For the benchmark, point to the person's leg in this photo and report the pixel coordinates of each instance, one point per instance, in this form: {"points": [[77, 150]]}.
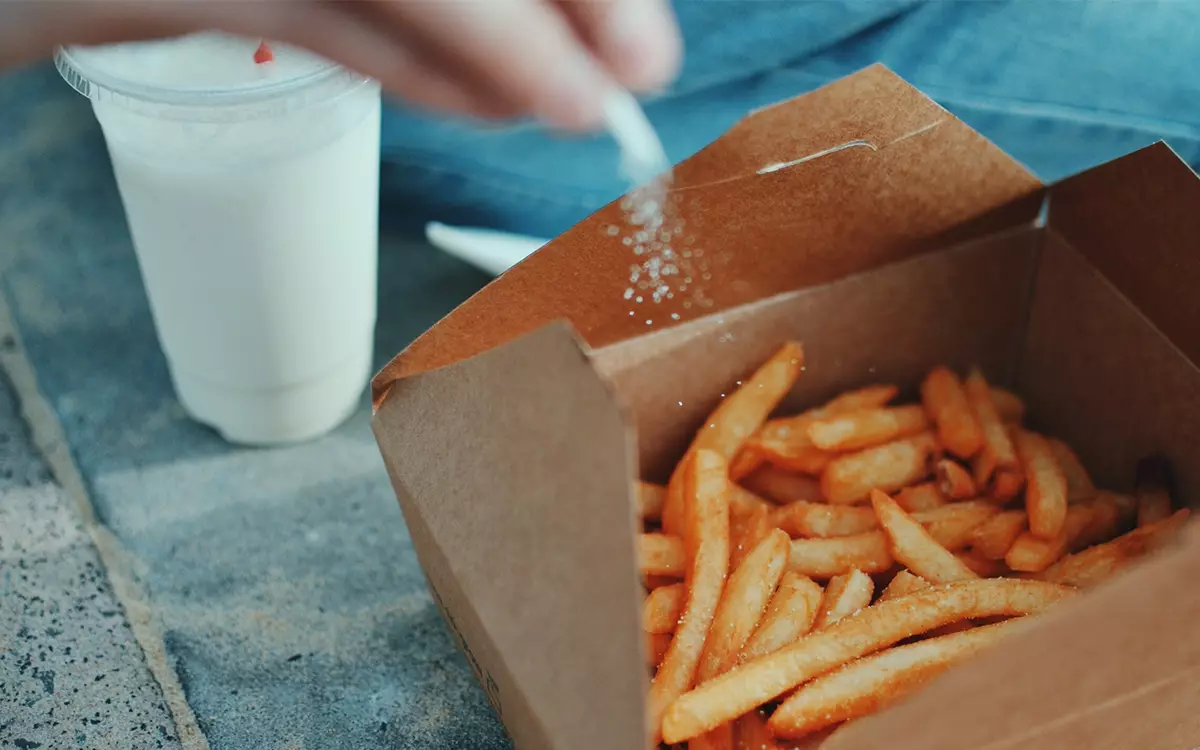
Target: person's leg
{"points": [[522, 179], [1060, 84]]}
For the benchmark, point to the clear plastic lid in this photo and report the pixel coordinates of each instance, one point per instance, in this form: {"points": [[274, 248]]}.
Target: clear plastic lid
{"points": [[210, 75]]}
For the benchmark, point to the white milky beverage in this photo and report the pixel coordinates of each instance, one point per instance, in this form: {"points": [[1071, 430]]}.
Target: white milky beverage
{"points": [[251, 192]]}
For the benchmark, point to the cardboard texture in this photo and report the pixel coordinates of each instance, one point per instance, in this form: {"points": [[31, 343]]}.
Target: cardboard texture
{"points": [[906, 240]]}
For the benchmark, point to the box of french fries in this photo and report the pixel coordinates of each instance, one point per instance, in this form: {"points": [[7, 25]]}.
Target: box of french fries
{"points": [[912, 472]]}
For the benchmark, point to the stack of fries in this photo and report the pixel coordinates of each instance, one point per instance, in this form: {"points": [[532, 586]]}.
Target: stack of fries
{"points": [[807, 570]]}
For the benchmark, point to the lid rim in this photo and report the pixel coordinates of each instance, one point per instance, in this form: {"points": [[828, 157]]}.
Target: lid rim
{"points": [[92, 84]]}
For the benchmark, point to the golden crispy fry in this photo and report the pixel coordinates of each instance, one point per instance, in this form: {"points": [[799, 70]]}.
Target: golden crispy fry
{"points": [[903, 583], [919, 497], [781, 486], [867, 397], [1045, 485], [946, 402], [856, 430], [982, 566], [1097, 564], [994, 537], [913, 546], [826, 558], [1079, 483], [878, 626], [845, 595], [720, 738], [656, 647], [785, 443], [801, 519], [1030, 553], [954, 481], [747, 532], [742, 605], [743, 502], [1110, 514], [650, 499], [850, 478], [1153, 490], [952, 526], [789, 615], [661, 555], [748, 459], [997, 456], [875, 682], [707, 541], [662, 608], [750, 733], [1009, 406], [737, 417]]}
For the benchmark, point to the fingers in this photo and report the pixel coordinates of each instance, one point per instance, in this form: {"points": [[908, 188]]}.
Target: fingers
{"points": [[524, 51], [637, 40]]}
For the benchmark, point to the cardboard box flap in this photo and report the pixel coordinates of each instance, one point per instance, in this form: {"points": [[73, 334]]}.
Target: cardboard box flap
{"points": [[862, 172], [1135, 219], [1116, 668], [515, 472]]}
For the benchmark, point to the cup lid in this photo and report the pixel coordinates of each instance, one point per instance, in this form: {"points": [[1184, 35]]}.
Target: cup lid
{"points": [[207, 68]]}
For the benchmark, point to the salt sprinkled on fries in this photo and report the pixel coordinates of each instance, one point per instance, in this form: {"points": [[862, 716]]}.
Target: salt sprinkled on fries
{"points": [[989, 521]]}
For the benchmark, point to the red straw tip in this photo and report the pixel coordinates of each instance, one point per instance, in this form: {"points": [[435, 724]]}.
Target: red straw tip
{"points": [[263, 54]]}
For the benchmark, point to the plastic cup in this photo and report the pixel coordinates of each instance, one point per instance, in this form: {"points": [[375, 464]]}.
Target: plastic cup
{"points": [[251, 192]]}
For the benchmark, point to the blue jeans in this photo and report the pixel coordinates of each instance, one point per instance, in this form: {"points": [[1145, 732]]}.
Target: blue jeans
{"points": [[1059, 84]]}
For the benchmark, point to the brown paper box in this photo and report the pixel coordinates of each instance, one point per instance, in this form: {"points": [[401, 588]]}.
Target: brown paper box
{"points": [[897, 239]]}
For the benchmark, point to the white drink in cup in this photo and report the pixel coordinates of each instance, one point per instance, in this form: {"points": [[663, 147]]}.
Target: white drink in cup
{"points": [[251, 191]]}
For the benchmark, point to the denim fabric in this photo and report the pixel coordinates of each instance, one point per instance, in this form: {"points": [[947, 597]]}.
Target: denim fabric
{"points": [[1060, 84]]}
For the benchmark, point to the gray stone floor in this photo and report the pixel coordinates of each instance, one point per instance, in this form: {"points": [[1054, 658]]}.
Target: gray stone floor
{"points": [[71, 672]]}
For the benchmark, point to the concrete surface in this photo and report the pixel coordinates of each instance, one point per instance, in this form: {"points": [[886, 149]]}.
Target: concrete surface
{"points": [[274, 593]]}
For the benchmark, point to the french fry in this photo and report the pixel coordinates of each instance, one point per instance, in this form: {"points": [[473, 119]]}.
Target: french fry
{"points": [[995, 537], [743, 502], [737, 417], [845, 595], [1110, 513], [912, 545], [826, 558], [1030, 553], [751, 733], [876, 627], [1045, 485], [1009, 406], [747, 461], [742, 605], [945, 401], [1152, 487], [1079, 483], [919, 497], [856, 430], [662, 608], [782, 487], [981, 565], [875, 682], [801, 519], [785, 442], [656, 647], [745, 534], [850, 478], [903, 583], [952, 526], [661, 555], [1097, 564], [789, 615], [954, 481], [996, 461], [650, 498], [720, 738], [867, 397], [705, 476]]}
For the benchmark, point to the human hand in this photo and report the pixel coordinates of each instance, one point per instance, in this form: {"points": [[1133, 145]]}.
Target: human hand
{"points": [[553, 59]]}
